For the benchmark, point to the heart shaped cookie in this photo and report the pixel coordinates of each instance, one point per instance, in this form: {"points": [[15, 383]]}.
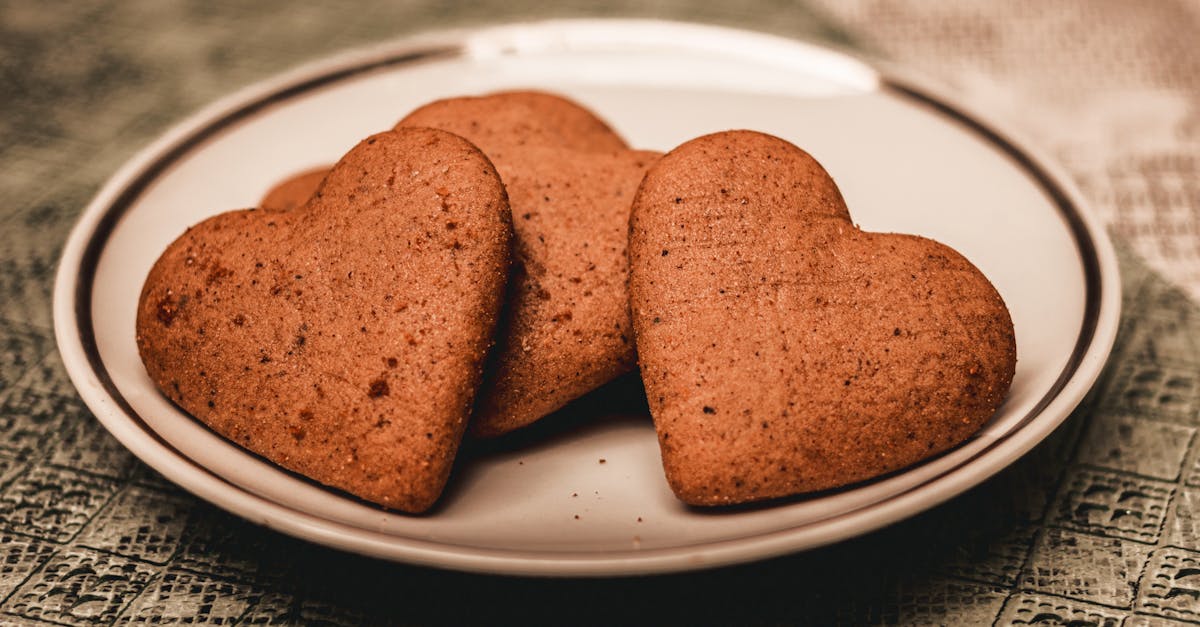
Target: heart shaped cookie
{"points": [[570, 181], [343, 340], [566, 328], [783, 350]]}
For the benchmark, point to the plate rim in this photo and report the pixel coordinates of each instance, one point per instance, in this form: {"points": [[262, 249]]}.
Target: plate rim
{"points": [[76, 339]]}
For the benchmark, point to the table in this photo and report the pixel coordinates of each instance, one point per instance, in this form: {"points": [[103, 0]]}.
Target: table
{"points": [[1100, 523]]}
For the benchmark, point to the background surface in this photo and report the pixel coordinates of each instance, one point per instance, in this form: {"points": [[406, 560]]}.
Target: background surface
{"points": [[1099, 525]]}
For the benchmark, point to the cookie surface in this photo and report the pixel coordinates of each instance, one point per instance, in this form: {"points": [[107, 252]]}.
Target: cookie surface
{"points": [[783, 350], [345, 339], [571, 181]]}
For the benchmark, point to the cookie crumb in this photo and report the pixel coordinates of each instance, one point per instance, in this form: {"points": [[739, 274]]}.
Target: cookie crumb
{"points": [[166, 310], [379, 387]]}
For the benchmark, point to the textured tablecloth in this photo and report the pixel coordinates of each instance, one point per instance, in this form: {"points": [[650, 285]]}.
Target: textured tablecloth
{"points": [[1098, 525]]}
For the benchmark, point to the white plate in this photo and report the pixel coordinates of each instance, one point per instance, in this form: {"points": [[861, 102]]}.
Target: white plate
{"points": [[907, 159]]}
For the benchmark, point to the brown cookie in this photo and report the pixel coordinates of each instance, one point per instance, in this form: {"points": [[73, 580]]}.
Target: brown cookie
{"points": [[784, 350], [566, 329], [345, 339], [294, 191], [570, 182]]}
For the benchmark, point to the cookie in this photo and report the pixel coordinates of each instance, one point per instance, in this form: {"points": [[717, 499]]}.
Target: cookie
{"points": [[293, 191], [570, 181], [784, 350], [345, 339], [566, 328]]}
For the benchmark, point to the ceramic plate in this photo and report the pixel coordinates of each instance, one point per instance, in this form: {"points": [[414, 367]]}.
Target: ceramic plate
{"points": [[907, 158]]}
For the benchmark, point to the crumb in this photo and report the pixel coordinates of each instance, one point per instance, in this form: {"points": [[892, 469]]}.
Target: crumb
{"points": [[603, 461], [379, 387]]}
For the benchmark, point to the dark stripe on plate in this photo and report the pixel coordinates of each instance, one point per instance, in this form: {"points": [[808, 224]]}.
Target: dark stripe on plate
{"points": [[1069, 213]]}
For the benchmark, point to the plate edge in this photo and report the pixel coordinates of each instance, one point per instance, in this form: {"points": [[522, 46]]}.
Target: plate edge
{"points": [[69, 304]]}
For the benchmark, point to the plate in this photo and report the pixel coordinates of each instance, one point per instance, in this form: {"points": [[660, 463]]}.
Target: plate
{"points": [[591, 499]]}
